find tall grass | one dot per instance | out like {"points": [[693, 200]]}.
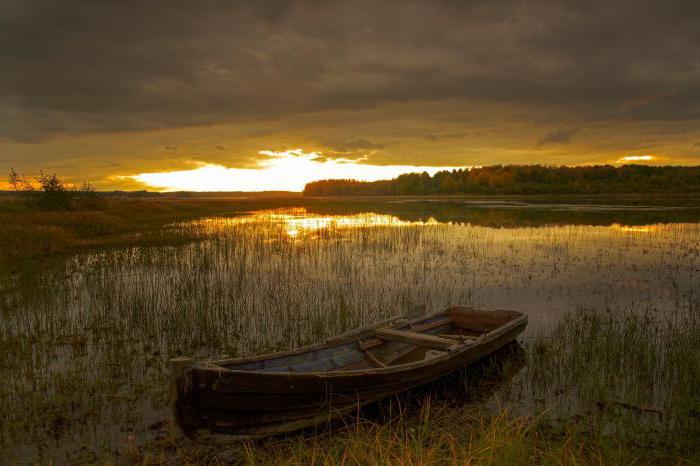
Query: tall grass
{"points": [[83, 350], [438, 437], [634, 372], [30, 234], [627, 380]]}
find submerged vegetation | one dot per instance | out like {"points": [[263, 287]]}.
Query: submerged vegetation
{"points": [[611, 350], [523, 179]]}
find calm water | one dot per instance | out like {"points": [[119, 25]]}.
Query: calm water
{"points": [[86, 349]]}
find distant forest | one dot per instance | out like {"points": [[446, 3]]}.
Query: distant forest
{"points": [[523, 179]]}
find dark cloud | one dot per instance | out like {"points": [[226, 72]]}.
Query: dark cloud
{"points": [[355, 144], [81, 67], [435, 137], [558, 136]]}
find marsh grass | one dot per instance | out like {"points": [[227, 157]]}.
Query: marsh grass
{"points": [[631, 372], [432, 436], [83, 349], [31, 235], [634, 401]]}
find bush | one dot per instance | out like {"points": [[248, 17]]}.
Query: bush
{"points": [[48, 192]]}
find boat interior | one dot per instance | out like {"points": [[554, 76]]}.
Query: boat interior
{"points": [[385, 345]]}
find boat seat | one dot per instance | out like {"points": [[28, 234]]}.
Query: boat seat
{"points": [[415, 338], [435, 323]]}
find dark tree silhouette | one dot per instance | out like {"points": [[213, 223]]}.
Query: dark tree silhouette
{"points": [[523, 179]]}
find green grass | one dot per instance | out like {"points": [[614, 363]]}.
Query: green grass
{"points": [[632, 373]]}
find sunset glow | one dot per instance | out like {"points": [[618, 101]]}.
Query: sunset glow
{"points": [[281, 170], [635, 158], [299, 222], [635, 228]]}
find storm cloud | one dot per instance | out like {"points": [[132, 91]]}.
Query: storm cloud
{"points": [[73, 68]]}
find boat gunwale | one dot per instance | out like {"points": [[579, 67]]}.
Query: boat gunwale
{"points": [[328, 343], [459, 348]]}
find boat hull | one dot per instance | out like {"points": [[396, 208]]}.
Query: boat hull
{"points": [[251, 404]]}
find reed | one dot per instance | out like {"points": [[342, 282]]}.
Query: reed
{"points": [[631, 371], [84, 344]]}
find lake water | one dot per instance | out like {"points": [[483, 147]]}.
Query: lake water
{"points": [[84, 365]]}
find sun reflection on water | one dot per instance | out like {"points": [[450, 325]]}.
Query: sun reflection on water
{"points": [[298, 222], [635, 228]]}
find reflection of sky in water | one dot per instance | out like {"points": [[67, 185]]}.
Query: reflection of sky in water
{"points": [[545, 271], [298, 222]]}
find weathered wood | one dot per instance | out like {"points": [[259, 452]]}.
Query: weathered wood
{"points": [[365, 331], [458, 337], [430, 325], [278, 356], [374, 360], [178, 366], [374, 342], [182, 391], [415, 338], [396, 355], [240, 397]]}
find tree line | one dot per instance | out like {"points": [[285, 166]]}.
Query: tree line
{"points": [[523, 179]]}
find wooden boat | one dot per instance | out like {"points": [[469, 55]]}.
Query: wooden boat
{"points": [[281, 392]]}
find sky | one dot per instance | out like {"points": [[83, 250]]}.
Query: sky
{"points": [[258, 95]]}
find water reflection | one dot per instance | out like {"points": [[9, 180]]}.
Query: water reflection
{"points": [[307, 222], [308, 217], [635, 229], [297, 222]]}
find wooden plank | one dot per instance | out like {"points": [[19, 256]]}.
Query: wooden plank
{"points": [[458, 337], [374, 342], [366, 331], [183, 403], [369, 344], [420, 339], [396, 355], [302, 359], [431, 325], [374, 360]]}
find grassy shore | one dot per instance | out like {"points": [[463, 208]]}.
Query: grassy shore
{"points": [[30, 233], [435, 438], [32, 237]]}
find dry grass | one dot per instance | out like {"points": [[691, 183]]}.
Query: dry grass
{"points": [[437, 435], [30, 236]]}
